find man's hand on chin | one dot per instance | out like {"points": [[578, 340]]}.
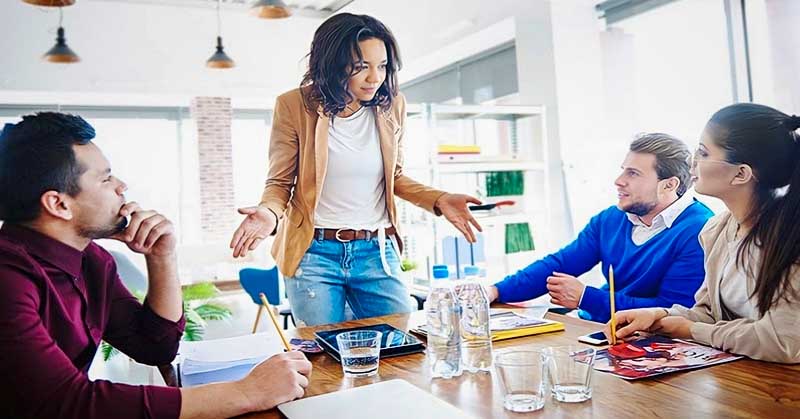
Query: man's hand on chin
{"points": [[148, 232]]}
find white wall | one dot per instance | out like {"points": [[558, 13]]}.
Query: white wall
{"points": [[783, 23]]}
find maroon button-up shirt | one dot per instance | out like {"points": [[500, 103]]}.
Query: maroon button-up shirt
{"points": [[56, 304]]}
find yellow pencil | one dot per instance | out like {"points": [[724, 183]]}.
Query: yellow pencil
{"points": [[613, 310], [274, 320]]}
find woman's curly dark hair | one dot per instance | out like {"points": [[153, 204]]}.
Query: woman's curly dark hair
{"points": [[330, 63]]}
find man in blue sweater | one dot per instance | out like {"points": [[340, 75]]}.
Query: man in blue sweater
{"points": [[649, 237]]}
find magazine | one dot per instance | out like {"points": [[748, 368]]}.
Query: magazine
{"points": [[509, 320], [655, 355]]}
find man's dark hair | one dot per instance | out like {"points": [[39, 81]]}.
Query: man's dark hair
{"points": [[672, 157], [330, 63], [36, 156]]}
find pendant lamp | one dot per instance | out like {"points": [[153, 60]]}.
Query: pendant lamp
{"points": [[220, 59], [50, 3], [61, 53], [270, 9]]}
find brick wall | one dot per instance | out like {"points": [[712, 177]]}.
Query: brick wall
{"points": [[217, 212]]}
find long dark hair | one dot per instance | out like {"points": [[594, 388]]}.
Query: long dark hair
{"points": [[330, 63], [765, 139]]}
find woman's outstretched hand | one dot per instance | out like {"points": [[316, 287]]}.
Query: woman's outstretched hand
{"points": [[454, 208], [256, 226]]}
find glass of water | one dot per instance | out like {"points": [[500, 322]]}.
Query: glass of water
{"points": [[570, 371], [360, 351], [522, 375]]}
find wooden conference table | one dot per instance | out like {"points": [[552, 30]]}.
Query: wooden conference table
{"points": [[741, 389]]}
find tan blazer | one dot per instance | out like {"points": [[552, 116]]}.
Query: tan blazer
{"points": [[775, 337], [298, 159]]}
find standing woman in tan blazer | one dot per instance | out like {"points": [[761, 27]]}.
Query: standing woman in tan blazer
{"points": [[749, 303], [335, 166]]}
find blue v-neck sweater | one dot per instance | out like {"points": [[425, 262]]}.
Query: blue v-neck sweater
{"points": [[667, 269]]}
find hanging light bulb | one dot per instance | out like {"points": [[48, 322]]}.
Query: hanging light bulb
{"points": [[50, 3], [220, 59], [61, 53], [270, 9]]}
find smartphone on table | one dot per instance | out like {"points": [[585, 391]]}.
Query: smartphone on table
{"points": [[596, 338]]}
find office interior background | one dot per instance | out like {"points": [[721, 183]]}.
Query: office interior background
{"points": [[555, 89]]}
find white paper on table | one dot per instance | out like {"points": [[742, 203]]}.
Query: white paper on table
{"points": [[190, 366], [259, 345]]}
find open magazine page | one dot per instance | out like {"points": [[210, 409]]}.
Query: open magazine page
{"points": [[508, 320], [501, 320], [655, 355]]}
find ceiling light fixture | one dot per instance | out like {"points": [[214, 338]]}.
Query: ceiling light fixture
{"points": [[50, 3], [61, 53], [270, 9], [220, 59]]}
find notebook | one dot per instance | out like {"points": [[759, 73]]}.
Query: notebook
{"points": [[393, 399], [229, 359], [508, 324]]}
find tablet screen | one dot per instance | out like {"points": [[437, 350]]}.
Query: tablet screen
{"points": [[392, 337]]}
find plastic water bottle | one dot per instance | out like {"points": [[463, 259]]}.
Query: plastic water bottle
{"points": [[444, 337], [476, 337]]}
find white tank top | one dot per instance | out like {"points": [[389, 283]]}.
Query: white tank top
{"points": [[353, 193]]}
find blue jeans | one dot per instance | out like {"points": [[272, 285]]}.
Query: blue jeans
{"points": [[332, 272]]}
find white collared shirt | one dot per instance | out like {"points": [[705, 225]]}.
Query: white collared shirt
{"points": [[641, 233]]}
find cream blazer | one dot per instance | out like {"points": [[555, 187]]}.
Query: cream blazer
{"points": [[774, 337], [298, 159]]}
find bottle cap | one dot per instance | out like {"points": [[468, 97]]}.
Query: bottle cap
{"points": [[471, 271], [440, 272]]}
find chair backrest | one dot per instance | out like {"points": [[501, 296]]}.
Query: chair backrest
{"points": [[130, 275], [256, 281]]}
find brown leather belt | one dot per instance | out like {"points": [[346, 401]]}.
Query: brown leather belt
{"points": [[344, 235]]}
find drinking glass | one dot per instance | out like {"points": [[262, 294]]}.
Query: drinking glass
{"points": [[522, 375], [360, 352]]}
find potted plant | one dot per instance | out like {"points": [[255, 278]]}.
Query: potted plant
{"points": [[197, 309], [407, 268]]}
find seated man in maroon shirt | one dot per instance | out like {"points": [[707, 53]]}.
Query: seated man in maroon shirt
{"points": [[60, 293]]}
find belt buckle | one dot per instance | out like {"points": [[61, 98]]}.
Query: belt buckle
{"points": [[339, 239]]}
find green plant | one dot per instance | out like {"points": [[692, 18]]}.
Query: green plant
{"points": [[407, 265], [197, 310]]}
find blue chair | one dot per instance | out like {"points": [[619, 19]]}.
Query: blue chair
{"points": [[266, 281]]}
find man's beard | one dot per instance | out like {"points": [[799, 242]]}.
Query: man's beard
{"points": [[640, 208], [104, 231]]}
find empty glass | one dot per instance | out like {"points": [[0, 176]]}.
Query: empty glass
{"points": [[360, 351], [570, 372], [522, 378]]}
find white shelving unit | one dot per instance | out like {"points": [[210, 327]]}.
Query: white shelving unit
{"points": [[512, 138]]}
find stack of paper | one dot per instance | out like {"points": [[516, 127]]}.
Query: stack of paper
{"points": [[212, 361]]}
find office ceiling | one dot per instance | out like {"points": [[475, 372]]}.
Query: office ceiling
{"points": [[309, 8]]}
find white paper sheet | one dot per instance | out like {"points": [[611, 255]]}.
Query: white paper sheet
{"points": [[259, 345]]}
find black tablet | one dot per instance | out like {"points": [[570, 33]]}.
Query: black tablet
{"points": [[394, 342]]}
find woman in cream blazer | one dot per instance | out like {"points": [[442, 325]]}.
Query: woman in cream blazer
{"points": [[335, 167], [749, 303]]}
